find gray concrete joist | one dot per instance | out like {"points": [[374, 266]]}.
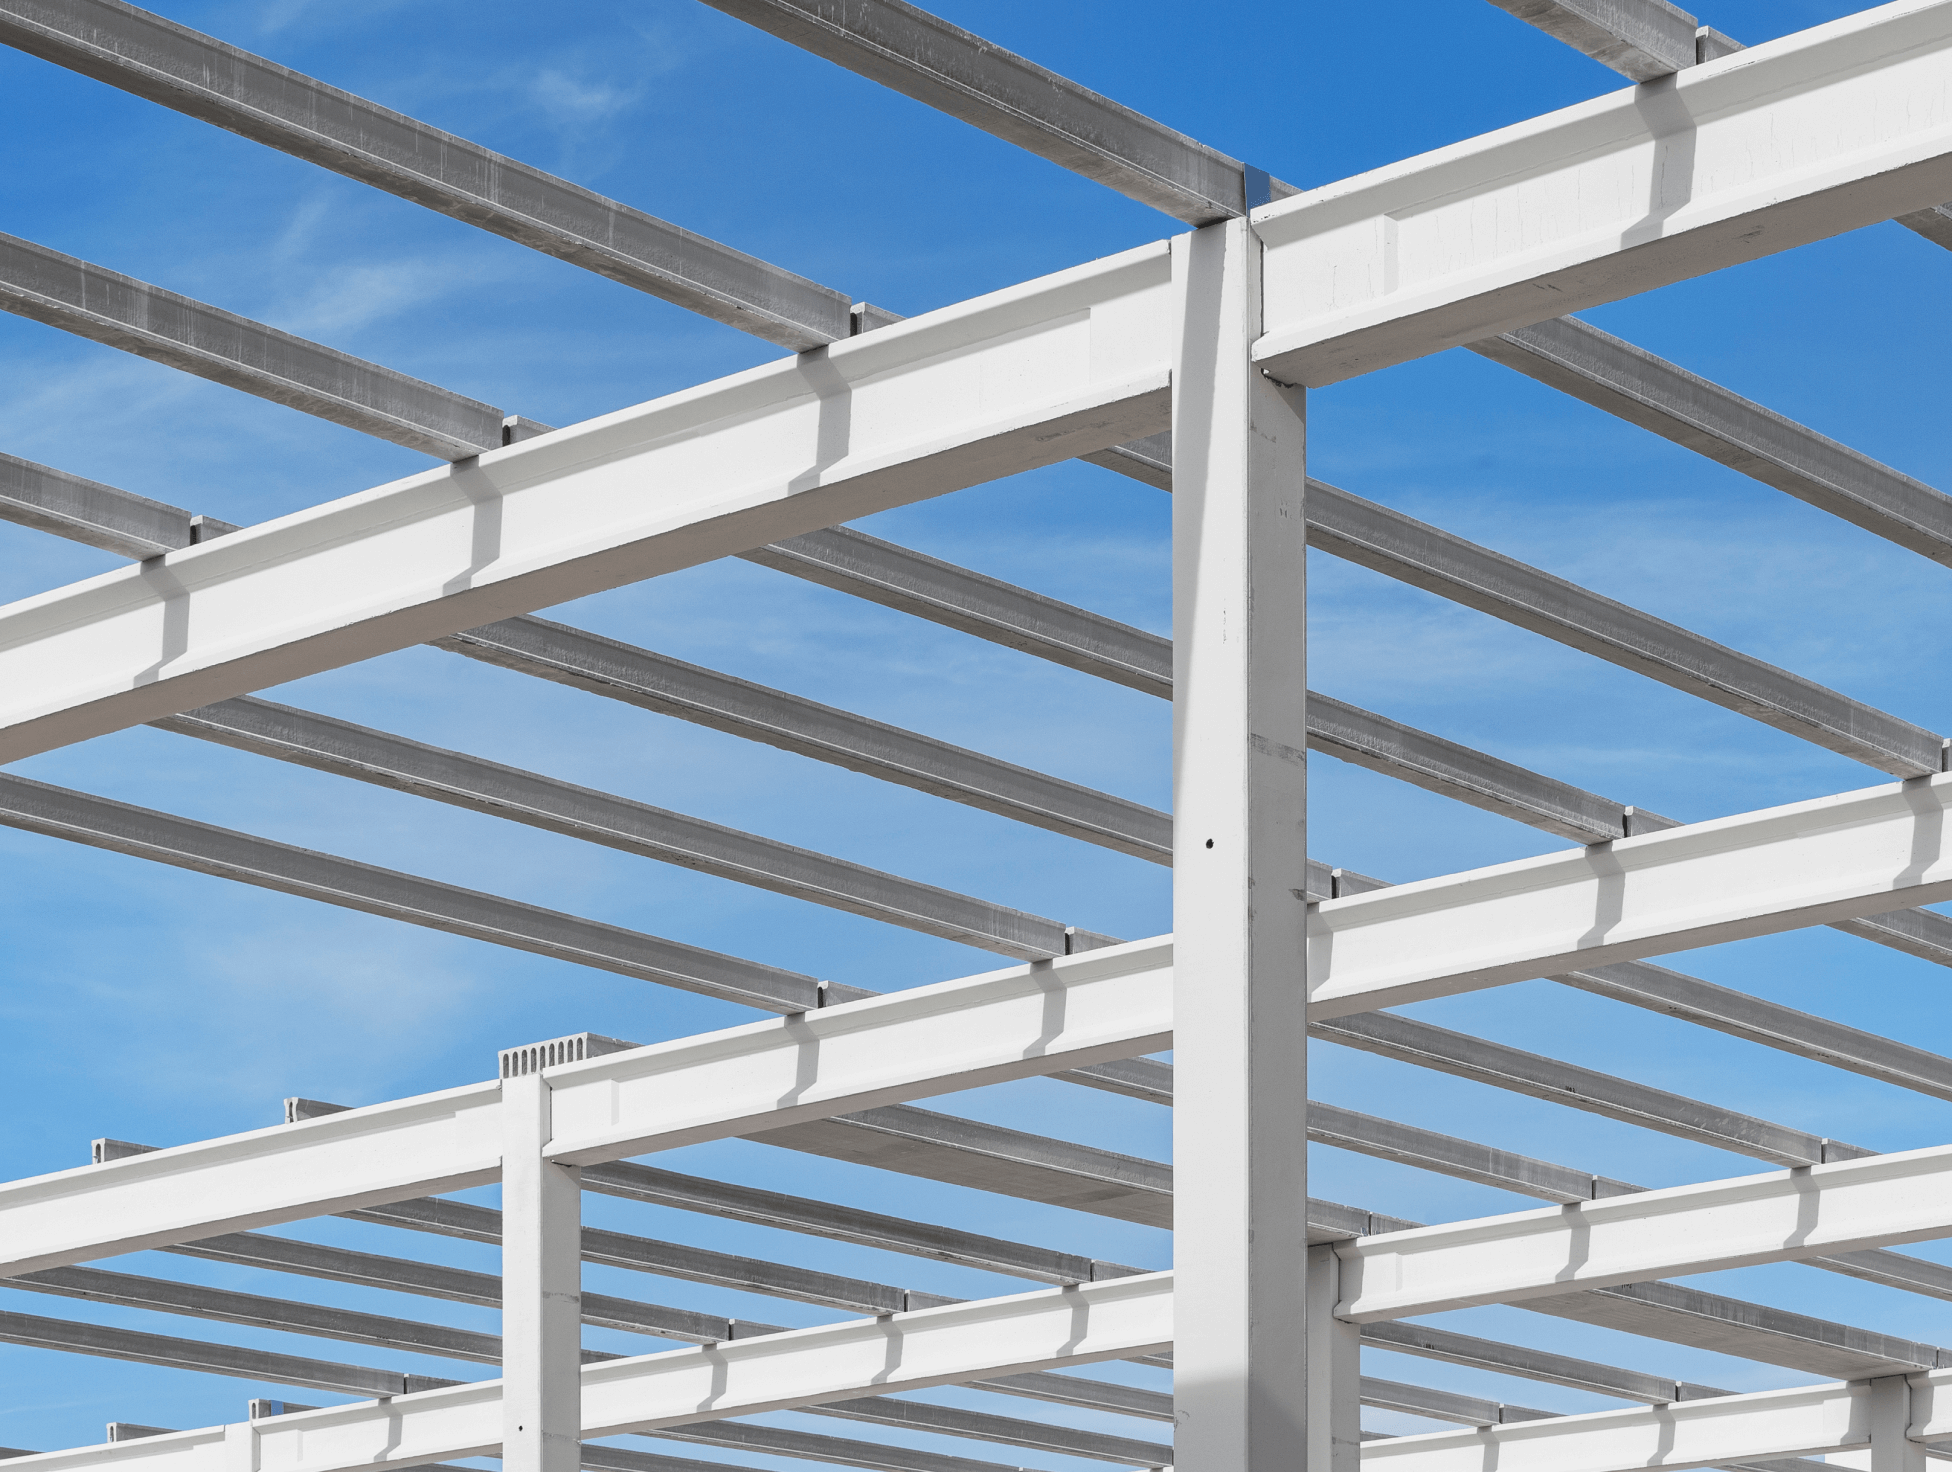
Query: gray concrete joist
{"points": [[122, 312], [1633, 384], [193, 73], [668, 686], [922, 56], [1440, 562], [57, 812], [1642, 40], [346, 749]]}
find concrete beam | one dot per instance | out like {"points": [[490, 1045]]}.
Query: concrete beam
{"points": [[1440, 562], [1642, 40], [1836, 858], [1792, 141], [87, 511], [206, 78], [656, 682], [1635, 385], [144, 833], [555, 517], [924, 57], [122, 312], [378, 757], [1781, 1216]]}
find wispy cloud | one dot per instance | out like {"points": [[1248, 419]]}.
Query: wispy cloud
{"points": [[577, 101]]}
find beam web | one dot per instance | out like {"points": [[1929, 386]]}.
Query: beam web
{"points": [[1240, 786]]}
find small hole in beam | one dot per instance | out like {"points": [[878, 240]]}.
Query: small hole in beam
{"points": [[1209, 843]]}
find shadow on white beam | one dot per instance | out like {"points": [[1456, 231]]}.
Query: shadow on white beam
{"points": [[1792, 141]]}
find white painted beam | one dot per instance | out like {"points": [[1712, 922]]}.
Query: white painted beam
{"points": [[1877, 1201], [1810, 863], [1032, 1331], [385, 1152], [1771, 1423], [1023, 377], [1024, 1021], [1795, 140]]}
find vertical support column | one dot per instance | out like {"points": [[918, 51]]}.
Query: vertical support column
{"points": [[542, 1282], [1892, 1449], [1334, 1359], [1240, 856]]}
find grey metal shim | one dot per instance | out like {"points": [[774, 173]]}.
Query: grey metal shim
{"points": [[350, 750], [150, 322], [924, 57], [1642, 40], [209, 79], [1632, 384]]}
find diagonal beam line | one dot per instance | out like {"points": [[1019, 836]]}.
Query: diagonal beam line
{"points": [[193, 73], [954, 71]]}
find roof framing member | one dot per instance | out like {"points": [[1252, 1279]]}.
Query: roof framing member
{"points": [[1642, 40], [1043, 1329], [1524, 224], [195, 337], [1873, 1202], [1399, 546], [993, 609], [378, 757], [496, 525], [1780, 869], [954, 71], [212, 80], [1633, 384]]}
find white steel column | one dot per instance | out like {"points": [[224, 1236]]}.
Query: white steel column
{"points": [[1239, 917], [542, 1281], [1334, 1361], [1892, 1449]]}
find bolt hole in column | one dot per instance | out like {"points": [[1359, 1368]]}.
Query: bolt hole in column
{"points": [[1209, 843]]}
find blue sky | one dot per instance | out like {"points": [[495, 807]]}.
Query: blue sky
{"points": [[151, 1004]]}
